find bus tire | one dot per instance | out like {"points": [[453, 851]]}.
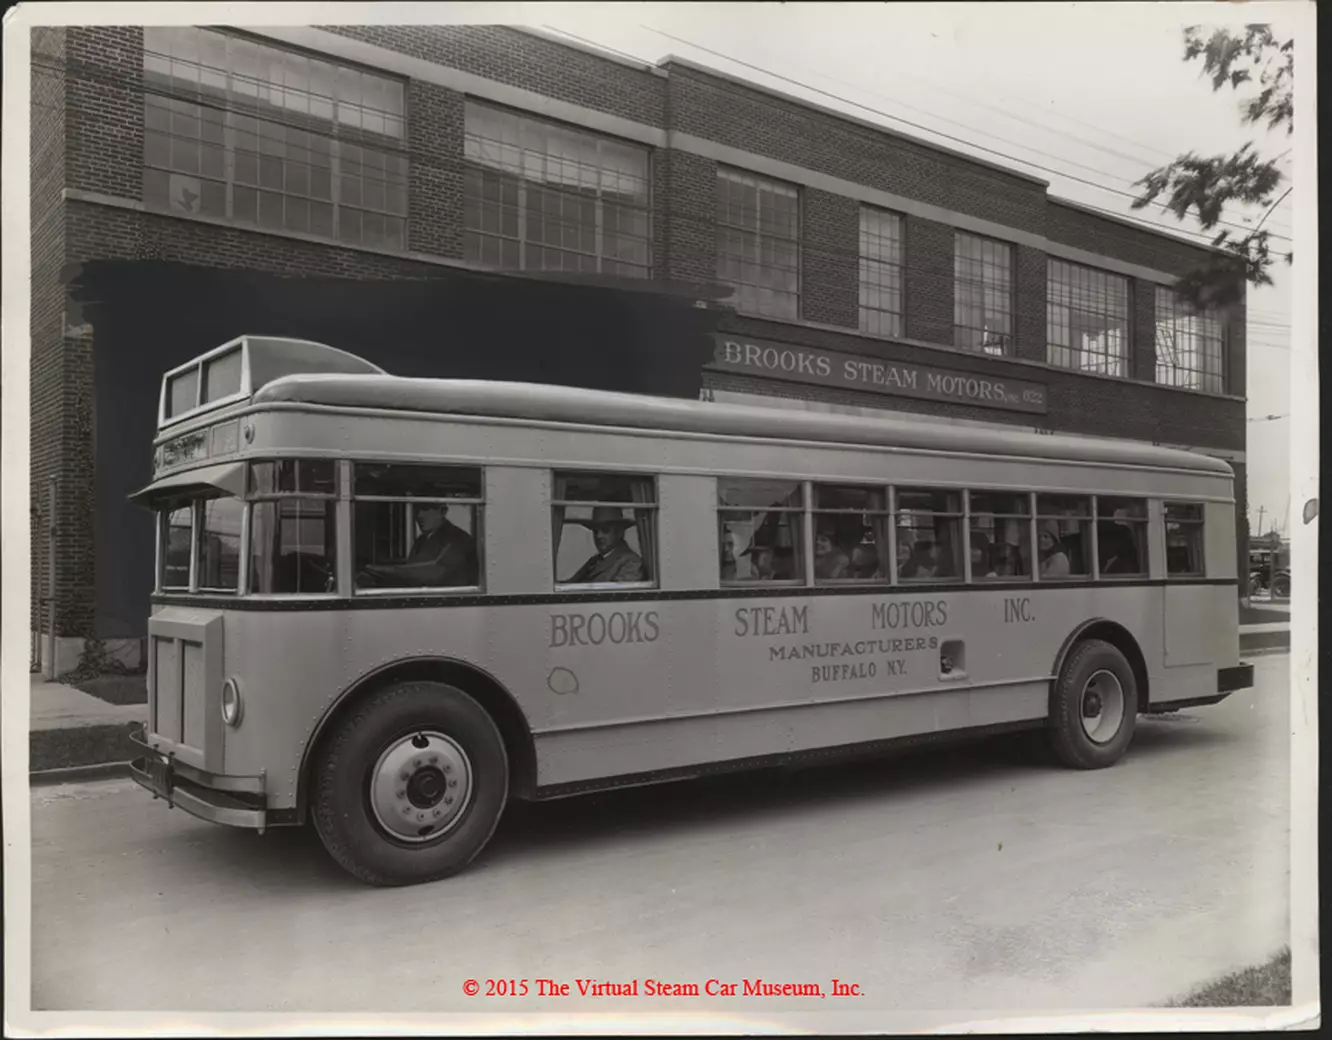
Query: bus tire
{"points": [[410, 785], [1093, 707]]}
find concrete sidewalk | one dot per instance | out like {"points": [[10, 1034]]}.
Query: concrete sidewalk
{"points": [[73, 735]]}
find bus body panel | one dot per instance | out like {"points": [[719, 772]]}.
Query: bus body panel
{"points": [[616, 685]]}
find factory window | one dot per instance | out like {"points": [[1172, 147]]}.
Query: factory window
{"points": [[248, 133], [982, 294], [1087, 319], [542, 197], [758, 243], [1189, 344], [880, 272]]}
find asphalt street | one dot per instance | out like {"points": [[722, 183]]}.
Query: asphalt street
{"points": [[974, 878]]}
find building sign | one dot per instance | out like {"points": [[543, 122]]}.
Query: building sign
{"points": [[875, 375]]}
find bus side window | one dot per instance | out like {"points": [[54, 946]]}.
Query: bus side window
{"points": [[1184, 538], [1121, 536], [929, 521], [1063, 535], [1000, 532], [850, 533], [760, 530], [604, 529], [416, 526]]}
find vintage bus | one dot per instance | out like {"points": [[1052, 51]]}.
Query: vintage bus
{"points": [[390, 605]]}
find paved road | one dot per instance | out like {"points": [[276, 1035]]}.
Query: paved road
{"points": [[973, 879]]}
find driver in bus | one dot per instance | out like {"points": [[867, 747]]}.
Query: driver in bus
{"points": [[614, 562], [443, 556]]}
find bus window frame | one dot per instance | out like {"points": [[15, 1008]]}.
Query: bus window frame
{"points": [[650, 477], [1089, 572], [806, 539], [1200, 524], [196, 546], [1029, 517], [962, 540], [1142, 523], [347, 495], [257, 497], [884, 516]]}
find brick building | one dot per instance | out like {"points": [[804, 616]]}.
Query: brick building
{"points": [[863, 270]]}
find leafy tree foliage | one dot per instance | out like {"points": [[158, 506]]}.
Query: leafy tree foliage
{"points": [[1207, 184]]}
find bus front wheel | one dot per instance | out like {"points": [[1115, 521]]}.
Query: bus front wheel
{"points": [[1094, 707], [410, 784]]}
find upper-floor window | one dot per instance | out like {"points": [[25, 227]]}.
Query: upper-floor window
{"points": [[982, 294], [246, 132], [1189, 344], [1087, 319], [758, 243], [880, 272], [542, 197]]}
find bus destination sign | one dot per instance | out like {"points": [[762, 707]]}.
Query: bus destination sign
{"points": [[875, 375]]}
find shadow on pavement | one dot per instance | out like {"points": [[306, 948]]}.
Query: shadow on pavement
{"points": [[293, 858]]}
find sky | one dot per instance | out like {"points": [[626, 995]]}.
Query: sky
{"points": [[1094, 93]]}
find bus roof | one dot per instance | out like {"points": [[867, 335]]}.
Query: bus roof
{"points": [[543, 403]]}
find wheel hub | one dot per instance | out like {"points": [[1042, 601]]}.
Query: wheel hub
{"points": [[420, 786], [1103, 707]]}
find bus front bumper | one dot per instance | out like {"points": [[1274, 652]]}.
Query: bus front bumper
{"points": [[237, 801]]}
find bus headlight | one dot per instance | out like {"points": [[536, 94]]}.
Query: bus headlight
{"points": [[231, 703]]}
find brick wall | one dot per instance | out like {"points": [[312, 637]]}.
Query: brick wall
{"points": [[829, 258], [435, 183], [1142, 298], [519, 59], [689, 192], [929, 281], [104, 115], [1030, 278], [728, 113], [46, 167], [1073, 226]]}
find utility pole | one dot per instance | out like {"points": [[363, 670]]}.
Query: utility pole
{"points": [[1261, 511]]}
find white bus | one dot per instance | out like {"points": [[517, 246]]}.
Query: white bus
{"points": [[390, 605]]}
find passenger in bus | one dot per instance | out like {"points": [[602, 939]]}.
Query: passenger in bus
{"points": [[982, 556], [728, 565], [1054, 561], [830, 562], [923, 561], [769, 561], [864, 561], [443, 556], [1119, 553], [614, 562]]}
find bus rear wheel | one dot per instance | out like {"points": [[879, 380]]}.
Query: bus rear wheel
{"points": [[1094, 707], [410, 784]]}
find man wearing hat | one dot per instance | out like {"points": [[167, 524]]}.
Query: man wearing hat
{"points": [[770, 560], [443, 556], [614, 562]]}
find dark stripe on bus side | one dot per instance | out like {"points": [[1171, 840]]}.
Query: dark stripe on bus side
{"points": [[652, 595]]}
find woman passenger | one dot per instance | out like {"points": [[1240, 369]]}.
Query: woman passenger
{"points": [[1054, 561], [830, 562]]}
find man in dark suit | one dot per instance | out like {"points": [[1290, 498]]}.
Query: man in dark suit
{"points": [[443, 556], [614, 562]]}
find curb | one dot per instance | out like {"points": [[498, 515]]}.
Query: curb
{"points": [[79, 774], [77, 747]]}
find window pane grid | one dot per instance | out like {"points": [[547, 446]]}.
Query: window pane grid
{"points": [[758, 252], [537, 196], [1087, 321], [1189, 344], [880, 272], [214, 158], [983, 294], [208, 64]]}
